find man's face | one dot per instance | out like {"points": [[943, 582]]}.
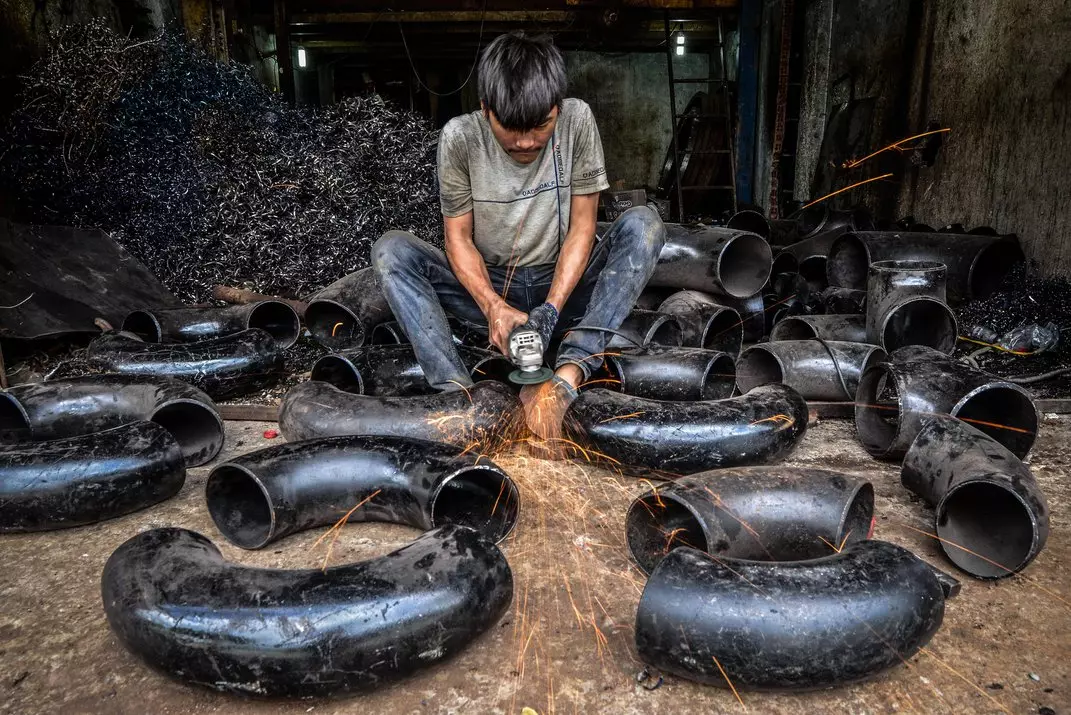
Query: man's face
{"points": [[524, 146]]}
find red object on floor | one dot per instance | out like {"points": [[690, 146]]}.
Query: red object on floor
{"points": [[271, 433]]}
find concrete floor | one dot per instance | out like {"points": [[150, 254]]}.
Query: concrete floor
{"points": [[566, 647]]}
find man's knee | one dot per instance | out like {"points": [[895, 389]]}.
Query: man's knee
{"points": [[643, 229], [392, 250]]}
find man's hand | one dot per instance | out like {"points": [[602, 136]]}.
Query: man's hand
{"points": [[502, 318]]}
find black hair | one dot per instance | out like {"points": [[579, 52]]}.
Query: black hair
{"points": [[521, 79]]}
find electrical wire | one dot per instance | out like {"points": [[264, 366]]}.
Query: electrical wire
{"points": [[475, 59], [1037, 378]]}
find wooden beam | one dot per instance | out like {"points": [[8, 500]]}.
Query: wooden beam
{"points": [[312, 18], [282, 51], [249, 413]]}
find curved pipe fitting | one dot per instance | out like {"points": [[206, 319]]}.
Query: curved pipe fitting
{"points": [[189, 324], [223, 367], [976, 263], [173, 601], [751, 221], [483, 413], [906, 306], [646, 327], [704, 323], [716, 259], [843, 301], [807, 257], [785, 625], [261, 497], [83, 405], [343, 314], [991, 516], [845, 328], [760, 427], [82, 480], [752, 312], [817, 369], [896, 397], [389, 333], [393, 370], [669, 374], [790, 513]]}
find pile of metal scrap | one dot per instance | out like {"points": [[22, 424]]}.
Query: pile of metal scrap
{"points": [[204, 175]]}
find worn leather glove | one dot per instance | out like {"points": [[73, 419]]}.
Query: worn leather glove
{"points": [[542, 319]]}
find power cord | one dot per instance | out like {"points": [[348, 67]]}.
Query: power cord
{"points": [[475, 60]]}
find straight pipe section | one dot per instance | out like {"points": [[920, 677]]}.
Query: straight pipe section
{"points": [[483, 414], [896, 397], [670, 373], [846, 328], [906, 306], [226, 367], [760, 427], [976, 263], [82, 405], [343, 314], [261, 497], [189, 324], [646, 327], [82, 480], [176, 604], [796, 625], [991, 516], [817, 369], [758, 513], [705, 323], [720, 260], [393, 370]]}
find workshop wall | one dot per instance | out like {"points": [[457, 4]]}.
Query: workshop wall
{"points": [[996, 72], [629, 95]]}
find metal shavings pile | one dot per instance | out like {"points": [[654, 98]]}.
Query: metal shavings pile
{"points": [[207, 177]]}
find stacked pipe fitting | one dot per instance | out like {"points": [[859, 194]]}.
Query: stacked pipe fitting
{"points": [[905, 305]]}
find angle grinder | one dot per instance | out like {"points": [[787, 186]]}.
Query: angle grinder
{"points": [[526, 352]]}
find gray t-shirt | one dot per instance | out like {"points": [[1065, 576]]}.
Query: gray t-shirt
{"points": [[520, 211]]}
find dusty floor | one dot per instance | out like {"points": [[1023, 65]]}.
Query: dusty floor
{"points": [[567, 644]]}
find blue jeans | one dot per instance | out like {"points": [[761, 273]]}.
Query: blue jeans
{"points": [[422, 289]]}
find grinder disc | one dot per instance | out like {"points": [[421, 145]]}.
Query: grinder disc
{"points": [[533, 377]]}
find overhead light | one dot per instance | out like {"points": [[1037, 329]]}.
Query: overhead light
{"points": [[680, 49], [680, 38], [302, 59]]}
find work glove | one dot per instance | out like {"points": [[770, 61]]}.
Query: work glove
{"points": [[542, 319]]}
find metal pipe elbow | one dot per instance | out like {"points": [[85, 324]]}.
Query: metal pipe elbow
{"points": [[760, 427], [82, 480], [343, 314], [83, 405], [670, 373], [484, 413], [796, 625], [189, 324], [706, 258], [175, 603], [261, 497], [393, 370], [223, 367], [817, 369]]}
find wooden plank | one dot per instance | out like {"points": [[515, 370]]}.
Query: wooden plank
{"points": [[1059, 405], [249, 413]]}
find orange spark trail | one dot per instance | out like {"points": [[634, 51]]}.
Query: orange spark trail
{"points": [[621, 417], [894, 145], [846, 188], [335, 530], [733, 687]]}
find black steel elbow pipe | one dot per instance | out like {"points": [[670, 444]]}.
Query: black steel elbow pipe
{"points": [[976, 263], [817, 369], [704, 323], [672, 373], [896, 397], [173, 601], [905, 305], [646, 327], [223, 367], [806, 257], [843, 300], [758, 513], [707, 258], [991, 516], [483, 413], [261, 497], [82, 480], [393, 370], [343, 314], [83, 405], [797, 625], [760, 427], [846, 328], [189, 324]]}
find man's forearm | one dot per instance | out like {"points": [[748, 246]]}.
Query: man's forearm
{"points": [[572, 261], [467, 264]]}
